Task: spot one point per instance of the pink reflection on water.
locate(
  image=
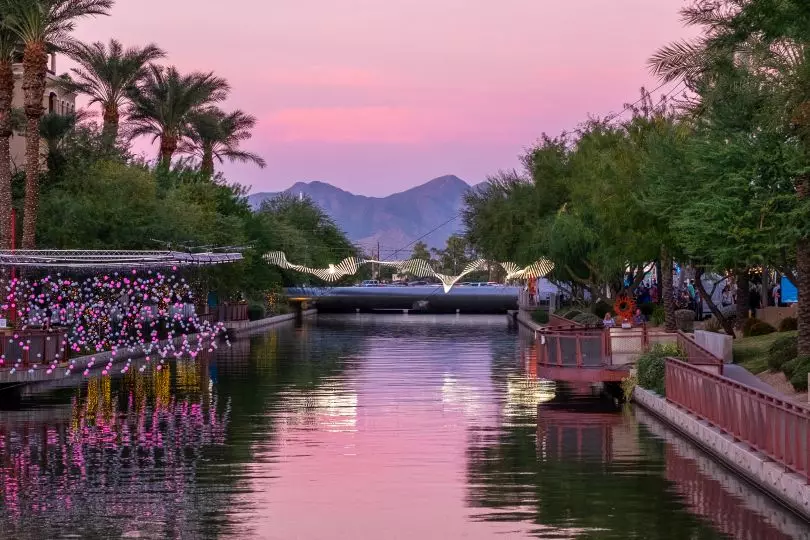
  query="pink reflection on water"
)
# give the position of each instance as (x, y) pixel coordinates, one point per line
(398, 472)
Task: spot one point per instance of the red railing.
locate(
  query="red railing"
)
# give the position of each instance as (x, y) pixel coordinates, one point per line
(775, 427)
(697, 355)
(574, 346)
(557, 321)
(32, 347)
(233, 312)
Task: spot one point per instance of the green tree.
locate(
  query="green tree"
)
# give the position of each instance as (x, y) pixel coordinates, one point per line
(768, 42)
(420, 251)
(40, 25)
(454, 257)
(164, 102)
(214, 134)
(109, 75)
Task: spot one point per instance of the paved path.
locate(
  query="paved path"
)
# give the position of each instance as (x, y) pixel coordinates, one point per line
(743, 376)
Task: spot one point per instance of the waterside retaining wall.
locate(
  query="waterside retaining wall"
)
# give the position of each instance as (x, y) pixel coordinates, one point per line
(789, 488)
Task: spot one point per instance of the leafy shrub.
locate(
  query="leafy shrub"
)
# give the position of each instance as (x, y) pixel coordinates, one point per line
(540, 316)
(799, 377)
(788, 324)
(789, 366)
(650, 367)
(572, 314)
(588, 319)
(729, 312)
(713, 325)
(685, 319)
(782, 350)
(659, 316)
(256, 311)
(600, 308)
(754, 327)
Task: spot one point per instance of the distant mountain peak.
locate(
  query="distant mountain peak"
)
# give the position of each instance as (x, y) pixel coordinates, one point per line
(393, 221)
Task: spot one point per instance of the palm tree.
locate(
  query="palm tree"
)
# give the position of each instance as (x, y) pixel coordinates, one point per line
(8, 49)
(214, 134)
(53, 128)
(109, 75)
(42, 26)
(165, 100)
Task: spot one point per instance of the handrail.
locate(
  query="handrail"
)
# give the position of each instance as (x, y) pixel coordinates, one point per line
(550, 350)
(778, 428)
(696, 353)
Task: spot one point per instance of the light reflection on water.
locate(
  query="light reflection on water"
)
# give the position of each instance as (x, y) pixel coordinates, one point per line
(358, 427)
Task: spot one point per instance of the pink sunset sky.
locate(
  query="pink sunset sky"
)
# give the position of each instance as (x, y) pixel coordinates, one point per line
(376, 97)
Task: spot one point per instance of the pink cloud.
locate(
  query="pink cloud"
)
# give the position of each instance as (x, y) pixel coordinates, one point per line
(342, 76)
(358, 124)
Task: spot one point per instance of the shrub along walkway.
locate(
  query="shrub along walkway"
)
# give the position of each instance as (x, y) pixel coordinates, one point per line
(751, 357)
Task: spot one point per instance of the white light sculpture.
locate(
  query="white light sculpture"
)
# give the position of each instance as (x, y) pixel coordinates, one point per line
(416, 267)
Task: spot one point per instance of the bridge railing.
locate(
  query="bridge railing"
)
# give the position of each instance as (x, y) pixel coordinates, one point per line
(698, 355)
(32, 346)
(574, 346)
(777, 428)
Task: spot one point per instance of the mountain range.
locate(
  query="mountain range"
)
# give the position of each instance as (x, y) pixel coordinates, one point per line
(428, 212)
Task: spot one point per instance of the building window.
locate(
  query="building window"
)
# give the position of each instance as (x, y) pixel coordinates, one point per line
(51, 102)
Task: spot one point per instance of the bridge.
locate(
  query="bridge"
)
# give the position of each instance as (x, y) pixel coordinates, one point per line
(425, 299)
(570, 352)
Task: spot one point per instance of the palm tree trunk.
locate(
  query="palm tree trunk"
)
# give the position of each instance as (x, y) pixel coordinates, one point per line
(668, 291)
(6, 96)
(803, 277)
(743, 293)
(207, 165)
(109, 132)
(35, 68)
(168, 145)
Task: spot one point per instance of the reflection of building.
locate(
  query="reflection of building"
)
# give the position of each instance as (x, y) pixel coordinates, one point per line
(570, 435)
(56, 100)
(708, 489)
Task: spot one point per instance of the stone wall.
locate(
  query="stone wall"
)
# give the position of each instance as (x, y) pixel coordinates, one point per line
(717, 344)
(791, 489)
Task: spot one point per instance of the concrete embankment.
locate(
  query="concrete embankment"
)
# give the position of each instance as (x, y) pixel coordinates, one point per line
(239, 328)
(789, 488)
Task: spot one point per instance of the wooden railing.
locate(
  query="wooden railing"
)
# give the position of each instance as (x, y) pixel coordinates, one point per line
(697, 355)
(574, 346)
(32, 346)
(777, 428)
(237, 311)
(555, 321)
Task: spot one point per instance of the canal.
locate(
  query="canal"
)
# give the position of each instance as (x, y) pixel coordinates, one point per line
(354, 427)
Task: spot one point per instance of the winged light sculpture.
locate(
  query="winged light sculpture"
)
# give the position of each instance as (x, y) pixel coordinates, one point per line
(415, 267)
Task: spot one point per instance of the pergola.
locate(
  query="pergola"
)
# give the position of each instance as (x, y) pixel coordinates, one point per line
(84, 259)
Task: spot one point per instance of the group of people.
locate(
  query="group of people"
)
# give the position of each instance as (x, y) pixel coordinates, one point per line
(638, 319)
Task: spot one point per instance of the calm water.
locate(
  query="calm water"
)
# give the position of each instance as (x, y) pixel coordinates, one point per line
(375, 427)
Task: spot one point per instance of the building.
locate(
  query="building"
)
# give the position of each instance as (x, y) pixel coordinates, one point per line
(56, 100)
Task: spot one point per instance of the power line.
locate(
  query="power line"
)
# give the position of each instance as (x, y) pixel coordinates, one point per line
(629, 106)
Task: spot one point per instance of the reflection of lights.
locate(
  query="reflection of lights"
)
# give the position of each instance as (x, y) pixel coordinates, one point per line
(460, 395)
(58, 469)
(330, 407)
(524, 394)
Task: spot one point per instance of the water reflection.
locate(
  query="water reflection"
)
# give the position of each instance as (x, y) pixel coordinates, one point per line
(119, 458)
(358, 427)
